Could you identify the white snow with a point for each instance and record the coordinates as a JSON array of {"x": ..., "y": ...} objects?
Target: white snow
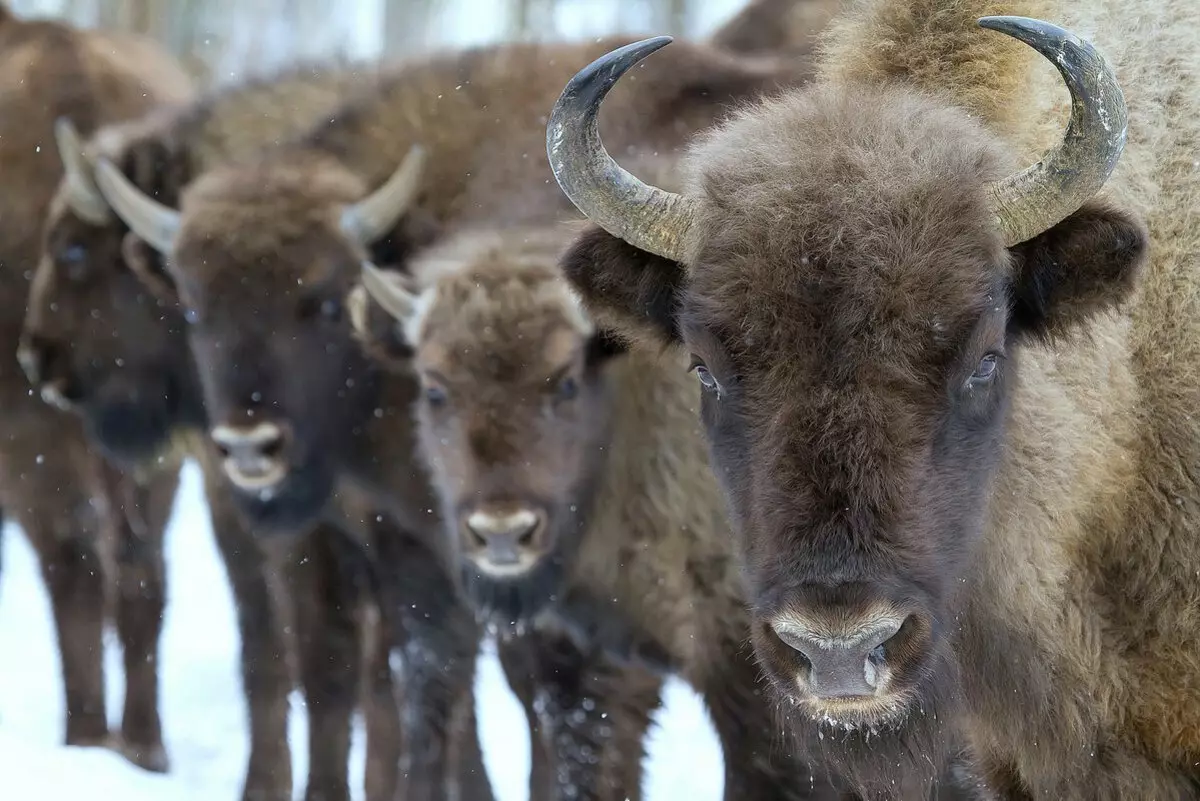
[{"x": 202, "y": 703}]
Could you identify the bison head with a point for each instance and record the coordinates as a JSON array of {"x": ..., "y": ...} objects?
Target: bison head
[
  {"x": 103, "y": 334},
  {"x": 854, "y": 271},
  {"x": 514, "y": 410},
  {"x": 262, "y": 257}
]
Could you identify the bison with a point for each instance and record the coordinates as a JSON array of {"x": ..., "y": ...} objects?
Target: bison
[
  {"x": 108, "y": 345},
  {"x": 951, "y": 405},
  {"x": 263, "y": 251},
  {"x": 71, "y": 503},
  {"x": 573, "y": 483}
]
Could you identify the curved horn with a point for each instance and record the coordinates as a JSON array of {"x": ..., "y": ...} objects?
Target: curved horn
[
  {"x": 1045, "y": 193},
  {"x": 82, "y": 195},
  {"x": 644, "y": 216},
  {"x": 376, "y": 215},
  {"x": 389, "y": 292},
  {"x": 154, "y": 223}
]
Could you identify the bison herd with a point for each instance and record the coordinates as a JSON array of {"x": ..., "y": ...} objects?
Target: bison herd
[{"x": 863, "y": 395}]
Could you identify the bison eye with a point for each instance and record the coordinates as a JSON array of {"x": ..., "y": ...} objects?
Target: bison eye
[
  {"x": 567, "y": 388},
  {"x": 435, "y": 396},
  {"x": 986, "y": 369},
  {"x": 73, "y": 258},
  {"x": 331, "y": 309},
  {"x": 706, "y": 377}
]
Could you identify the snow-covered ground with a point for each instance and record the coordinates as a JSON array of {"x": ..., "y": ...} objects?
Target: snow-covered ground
[{"x": 202, "y": 703}]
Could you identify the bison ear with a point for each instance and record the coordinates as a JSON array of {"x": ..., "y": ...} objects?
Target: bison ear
[
  {"x": 147, "y": 264},
  {"x": 633, "y": 292},
  {"x": 1088, "y": 263}
]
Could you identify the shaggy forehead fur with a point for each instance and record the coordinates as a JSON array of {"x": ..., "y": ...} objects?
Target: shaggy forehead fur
[
  {"x": 854, "y": 224},
  {"x": 254, "y": 216},
  {"x": 493, "y": 300}
]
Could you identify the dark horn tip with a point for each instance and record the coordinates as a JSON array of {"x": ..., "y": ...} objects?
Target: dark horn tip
[
  {"x": 592, "y": 83},
  {"x": 1031, "y": 31}
]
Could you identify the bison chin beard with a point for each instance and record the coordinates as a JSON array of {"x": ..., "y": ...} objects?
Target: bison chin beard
[
  {"x": 508, "y": 606},
  {"x": 895, "y": 760},
  {"x": 290, "y": 507}
]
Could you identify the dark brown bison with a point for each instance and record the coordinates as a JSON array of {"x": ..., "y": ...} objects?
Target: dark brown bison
[
  {"x": 108, "y": 345},
  {"x": 953, "y": 414},
  {"x": 263, "y": 251},
  {"x": 97, "y": 531}
]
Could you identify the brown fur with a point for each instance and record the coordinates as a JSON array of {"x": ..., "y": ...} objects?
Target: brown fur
[
  {"x": 784, "y": 28},
  {"x": 533, "y": 408},
  {"x": 71, "y": 504},
  {"x": 115, "y": 349},
  {"x": 261, "y": 231},
  {"x": 138, "y": 409},
  {"x": 1032, "y": 524}
]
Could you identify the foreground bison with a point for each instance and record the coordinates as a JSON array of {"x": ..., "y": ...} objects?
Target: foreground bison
[
  {"x": 70, "y": 503},
  {"x": 953, "y": 414},
  {"x": 107, "y": 343},
  {"x": 262, "y": 252}
]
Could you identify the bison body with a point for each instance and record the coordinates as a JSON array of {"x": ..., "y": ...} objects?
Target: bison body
[
  {"x": 97, "y": 530},
  {"x": 107, "y": 343},
  {"x": 950, "y": 405}
]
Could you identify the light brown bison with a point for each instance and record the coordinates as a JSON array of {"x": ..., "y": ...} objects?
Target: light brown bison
[
  {"x": 108, "y": 344},
  {"x": 70, "y": 503},
  {"x": 952, "y": 406},
  {"x": 263, "y": 251}
]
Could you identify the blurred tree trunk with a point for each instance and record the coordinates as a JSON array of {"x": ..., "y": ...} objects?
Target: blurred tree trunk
[
  {"x": 531, "y": 20},
  {"x": 407, "y": 27}
]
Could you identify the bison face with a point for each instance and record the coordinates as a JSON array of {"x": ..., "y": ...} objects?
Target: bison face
[
  {"x": 284, "y": 381},
  {"x": 855, "y": 278},
  {"x": 513, "y": 414},
  {"x": 104, "y": 336},
  {"x": 262, "y": 257}
]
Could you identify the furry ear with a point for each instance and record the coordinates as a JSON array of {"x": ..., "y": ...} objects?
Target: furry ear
[
  {"x": 1088, "y": 263},
  {"x": 147, "y": 264},
  {"x": 624, "y": 288}
]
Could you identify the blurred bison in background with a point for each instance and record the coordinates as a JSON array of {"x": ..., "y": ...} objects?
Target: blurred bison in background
[
  {"x": 264, "y": 250},
  {"x": 97, "y": 531},
  {"x": 952, "y": 413},
  {"x": 107, "y": 343}
]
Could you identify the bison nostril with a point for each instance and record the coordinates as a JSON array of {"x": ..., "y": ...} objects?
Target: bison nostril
[
  {"x": 839, "y": 664},
  {"x": 272, "y": 449}
]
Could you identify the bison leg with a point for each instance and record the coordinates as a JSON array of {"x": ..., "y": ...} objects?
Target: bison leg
[
  {"x": 50, "y": 493},
  {"x": 588, "y": 717},
  {"x": 327, "y": 588},
  {"x": 436, "y": 643},
  {"x": 143, "y": 513},
  {"x": 267, "y": 677},
  {"x": 381, "y": 716}
]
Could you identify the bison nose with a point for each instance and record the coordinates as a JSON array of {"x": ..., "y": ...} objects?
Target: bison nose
[
  {"x": 252, "y": 456},
  {"x": 504, "y": 541},
  {"x": 843, "y": 665}
]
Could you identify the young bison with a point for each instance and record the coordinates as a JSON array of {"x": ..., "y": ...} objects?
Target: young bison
[
  {"x": 109, "y": 347},
  {"x": 958, "y": 440},
  {"x": 574, "y": 483},
  {"x": 70, "y": 503}
]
